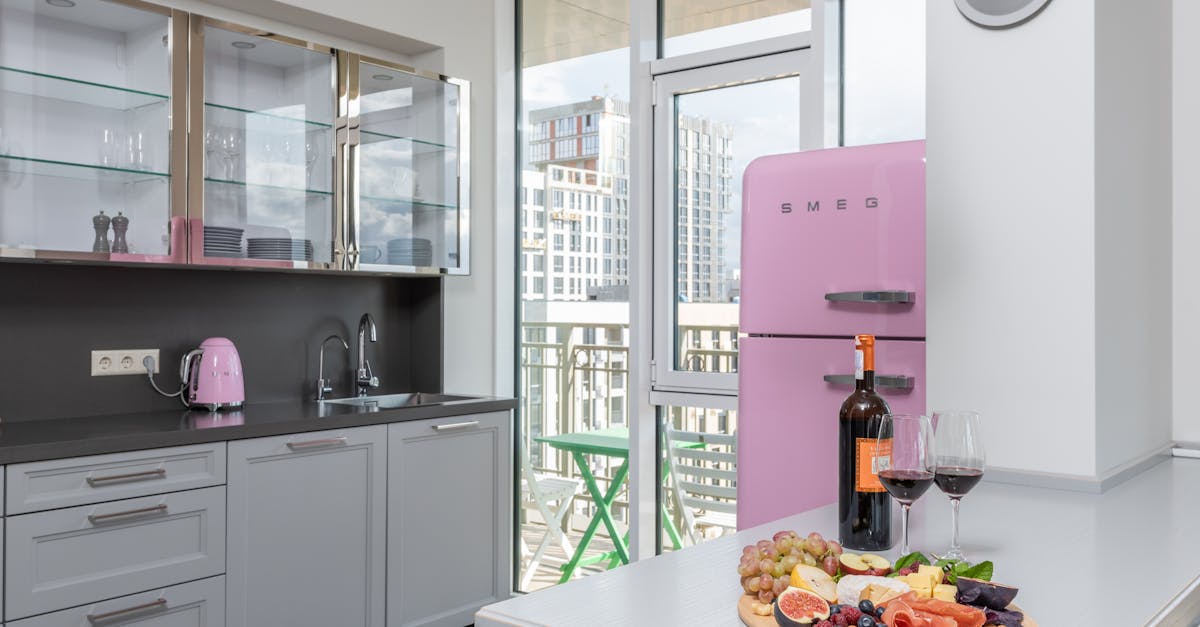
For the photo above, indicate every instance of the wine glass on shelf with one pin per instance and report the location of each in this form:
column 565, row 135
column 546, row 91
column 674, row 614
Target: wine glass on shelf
column 231, row 146
column 905, row 461
column 212, row 141
column 311, row 148
column 960, row 460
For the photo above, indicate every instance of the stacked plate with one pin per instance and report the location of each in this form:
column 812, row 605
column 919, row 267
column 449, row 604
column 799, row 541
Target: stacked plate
column 279, row 248
column 222, row 241
column 410, row 252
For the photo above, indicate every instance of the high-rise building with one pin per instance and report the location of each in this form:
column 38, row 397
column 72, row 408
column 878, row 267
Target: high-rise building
column 575, row 205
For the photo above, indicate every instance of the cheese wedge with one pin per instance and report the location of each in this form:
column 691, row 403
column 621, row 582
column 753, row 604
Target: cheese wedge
column 932, row 573
column 945, row 592
column 877, row 594
column 920, row 584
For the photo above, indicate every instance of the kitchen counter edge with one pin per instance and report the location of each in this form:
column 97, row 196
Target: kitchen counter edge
column 42, row 440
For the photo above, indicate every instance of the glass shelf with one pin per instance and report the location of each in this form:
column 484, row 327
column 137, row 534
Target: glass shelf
column 280, row 188
column 26, row 82
column 419, row 146
column 309, row 124
column 423, row 204
column 12, row 164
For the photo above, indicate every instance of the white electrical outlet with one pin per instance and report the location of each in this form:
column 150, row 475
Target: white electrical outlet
column 125, row 361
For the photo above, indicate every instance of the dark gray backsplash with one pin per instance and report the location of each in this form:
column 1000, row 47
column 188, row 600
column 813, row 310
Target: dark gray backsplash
column 53, row 316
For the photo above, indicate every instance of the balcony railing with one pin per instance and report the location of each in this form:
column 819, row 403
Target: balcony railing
column 574, row 377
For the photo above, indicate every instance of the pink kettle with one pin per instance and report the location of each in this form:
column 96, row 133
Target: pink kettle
column 213, row 375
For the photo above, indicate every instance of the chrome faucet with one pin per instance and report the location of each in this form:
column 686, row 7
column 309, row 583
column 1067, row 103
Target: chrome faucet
column 364, row 379
column 323, row 386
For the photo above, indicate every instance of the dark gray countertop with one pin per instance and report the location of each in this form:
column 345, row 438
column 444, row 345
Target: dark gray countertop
column 37, row 440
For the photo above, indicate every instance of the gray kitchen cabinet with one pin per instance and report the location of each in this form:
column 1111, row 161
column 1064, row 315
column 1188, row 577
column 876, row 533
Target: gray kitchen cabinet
column 306, row 529
column 449, row 518
column 66, row 557
column 57, row 483
column 193, row 604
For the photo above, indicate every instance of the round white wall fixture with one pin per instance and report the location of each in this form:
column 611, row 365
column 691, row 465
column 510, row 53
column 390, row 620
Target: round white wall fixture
column 999, row 13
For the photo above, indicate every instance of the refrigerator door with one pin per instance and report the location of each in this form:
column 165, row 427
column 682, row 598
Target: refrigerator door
column 832, row 239
column 788, row 418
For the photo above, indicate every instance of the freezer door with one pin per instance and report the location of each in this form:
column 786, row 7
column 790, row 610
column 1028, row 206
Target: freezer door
column 788, row 418
column 833, row 242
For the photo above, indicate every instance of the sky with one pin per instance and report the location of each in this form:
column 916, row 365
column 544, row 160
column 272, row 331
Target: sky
column 884, row 83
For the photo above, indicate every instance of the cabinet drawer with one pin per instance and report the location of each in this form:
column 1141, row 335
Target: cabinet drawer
column 38, row 486
column 198, row 603
column 68, row 557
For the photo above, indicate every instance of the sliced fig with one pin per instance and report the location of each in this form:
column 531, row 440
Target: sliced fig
column 978, row 592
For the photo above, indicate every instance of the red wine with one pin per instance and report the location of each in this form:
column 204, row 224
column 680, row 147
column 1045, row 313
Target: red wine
column 864, row 507
column 906, row 485
column 957, row 481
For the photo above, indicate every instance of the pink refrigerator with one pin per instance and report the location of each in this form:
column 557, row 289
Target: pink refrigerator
column 833, row 244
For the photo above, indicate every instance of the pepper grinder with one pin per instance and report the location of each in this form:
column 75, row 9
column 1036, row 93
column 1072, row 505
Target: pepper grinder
column 120, row 225
column 100, row 222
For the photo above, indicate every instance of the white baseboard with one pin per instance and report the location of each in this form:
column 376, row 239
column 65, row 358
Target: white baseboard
column 1080, row 483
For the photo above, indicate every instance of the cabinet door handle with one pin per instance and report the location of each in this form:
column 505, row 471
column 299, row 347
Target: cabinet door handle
column 159, row 473
column 884, row 296
column 157, row 510
column 456, row 425
column 311, row 444
column 897, row 381
column 99, row 619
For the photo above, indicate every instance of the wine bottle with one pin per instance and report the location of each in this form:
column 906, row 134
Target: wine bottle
column 864, row 507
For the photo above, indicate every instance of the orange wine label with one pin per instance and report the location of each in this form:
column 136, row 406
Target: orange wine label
column 871, row 457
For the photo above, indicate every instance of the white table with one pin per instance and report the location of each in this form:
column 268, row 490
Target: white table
column 1112, row 559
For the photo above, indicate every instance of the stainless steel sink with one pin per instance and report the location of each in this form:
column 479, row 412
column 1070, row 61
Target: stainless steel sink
column 396, row 401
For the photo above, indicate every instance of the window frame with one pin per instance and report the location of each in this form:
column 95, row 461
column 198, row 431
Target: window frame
column 797, row 62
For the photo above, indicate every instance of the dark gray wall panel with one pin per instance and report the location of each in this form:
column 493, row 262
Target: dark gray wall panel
column 53, row 316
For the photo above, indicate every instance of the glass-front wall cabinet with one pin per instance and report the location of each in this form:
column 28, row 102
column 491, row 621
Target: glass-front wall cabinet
column 86, row 162
column 268, row 116
column 409, row 206
column 135, row 133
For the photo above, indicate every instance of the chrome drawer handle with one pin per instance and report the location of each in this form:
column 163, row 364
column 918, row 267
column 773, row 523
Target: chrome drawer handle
column 96, row 619
column 148, row 475
column 157, row 510
column 886, row 296
column 897, row 381
column 311, row 444
column 456, row 425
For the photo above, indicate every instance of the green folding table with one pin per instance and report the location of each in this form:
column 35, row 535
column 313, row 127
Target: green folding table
column 612, row 442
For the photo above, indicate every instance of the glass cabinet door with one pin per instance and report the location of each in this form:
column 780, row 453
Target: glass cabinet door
column 409, row 203
column 266, row 146
column 87, row 158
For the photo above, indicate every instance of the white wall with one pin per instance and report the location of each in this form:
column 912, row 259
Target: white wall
column 1010, row 228
column 1133, row 231
column 1049, row 231
column 479, row 307
column 1186, row 231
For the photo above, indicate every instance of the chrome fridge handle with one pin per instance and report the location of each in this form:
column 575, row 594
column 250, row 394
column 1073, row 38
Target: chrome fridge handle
column 897, row 381
column 884, row 296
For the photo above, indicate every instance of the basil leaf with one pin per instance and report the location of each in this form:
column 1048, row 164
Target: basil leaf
column 910, row 559
column 982, row 570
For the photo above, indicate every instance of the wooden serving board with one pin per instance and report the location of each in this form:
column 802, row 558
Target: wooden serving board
column 750, row 619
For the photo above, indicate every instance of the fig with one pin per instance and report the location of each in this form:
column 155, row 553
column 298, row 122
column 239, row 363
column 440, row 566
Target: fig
column 982, row 593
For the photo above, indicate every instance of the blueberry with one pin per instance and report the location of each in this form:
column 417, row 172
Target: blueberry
column 879, row 612
column 866, row 621
column 835, row 609
column 866, row 606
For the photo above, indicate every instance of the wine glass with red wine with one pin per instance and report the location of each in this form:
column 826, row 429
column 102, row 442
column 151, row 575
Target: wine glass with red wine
column 960, row 460
column 905, row 461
